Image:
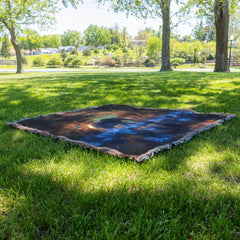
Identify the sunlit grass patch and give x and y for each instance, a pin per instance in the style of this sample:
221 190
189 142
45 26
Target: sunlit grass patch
52 190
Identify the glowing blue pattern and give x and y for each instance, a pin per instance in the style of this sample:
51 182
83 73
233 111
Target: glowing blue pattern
148 130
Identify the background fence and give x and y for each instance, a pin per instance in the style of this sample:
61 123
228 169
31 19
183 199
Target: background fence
8 62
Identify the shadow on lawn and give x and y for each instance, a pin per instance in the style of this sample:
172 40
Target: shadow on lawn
71 91
51 208
38 95
35 95
48 208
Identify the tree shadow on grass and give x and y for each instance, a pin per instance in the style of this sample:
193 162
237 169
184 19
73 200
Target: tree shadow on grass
72 90
42 206
39 95
110 198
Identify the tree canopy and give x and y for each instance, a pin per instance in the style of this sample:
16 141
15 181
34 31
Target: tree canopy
17 15
220 10
234 25
5 49
145 9
22 13
71 38
97 36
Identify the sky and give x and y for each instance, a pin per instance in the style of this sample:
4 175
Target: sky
88 13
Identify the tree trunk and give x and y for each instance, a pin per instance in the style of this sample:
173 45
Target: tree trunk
165 8
221 12
17 48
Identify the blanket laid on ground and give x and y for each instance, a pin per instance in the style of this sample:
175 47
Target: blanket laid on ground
122 130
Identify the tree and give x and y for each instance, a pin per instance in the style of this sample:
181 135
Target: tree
186 38
72 38
221 10
63 54
31 41
51 41
205 32
124 35
5 49
15 15
144 35
144 9
115 35
97 36
154 48
165 9
234 25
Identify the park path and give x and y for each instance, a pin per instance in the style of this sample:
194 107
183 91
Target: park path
110 70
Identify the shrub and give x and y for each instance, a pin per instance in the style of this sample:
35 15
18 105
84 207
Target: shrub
74 51
76 62
105 52
97 62
118 52
24 60
109 61
201 65
153 49
38 62
150 62
130 63
236 55
211 57
126 59
68 60
178 60
175 64
138 62
115 46
180 54
195 56
122 45
63 54
119 60
131 46
86 52
96 50
54 62
109 48
203 59
73 61
125 50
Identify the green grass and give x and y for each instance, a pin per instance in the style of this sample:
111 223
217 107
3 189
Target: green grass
52 190
196 65
8 67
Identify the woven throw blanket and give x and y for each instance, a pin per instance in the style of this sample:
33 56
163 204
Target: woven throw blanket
123 130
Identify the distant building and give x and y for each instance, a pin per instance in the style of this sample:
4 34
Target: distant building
67 48
33 52
137 43
8 62
102 47
48 50
82 48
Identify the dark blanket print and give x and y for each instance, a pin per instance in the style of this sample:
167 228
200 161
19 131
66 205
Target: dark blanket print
123 130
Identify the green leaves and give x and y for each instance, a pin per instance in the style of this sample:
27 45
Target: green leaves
21 13
71 38
97 36
74 3
5 49
16 15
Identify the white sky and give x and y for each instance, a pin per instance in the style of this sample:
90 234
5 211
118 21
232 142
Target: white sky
88 13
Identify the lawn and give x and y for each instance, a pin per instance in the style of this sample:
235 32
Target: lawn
53 190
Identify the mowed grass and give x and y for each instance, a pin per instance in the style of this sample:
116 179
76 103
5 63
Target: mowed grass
53 190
